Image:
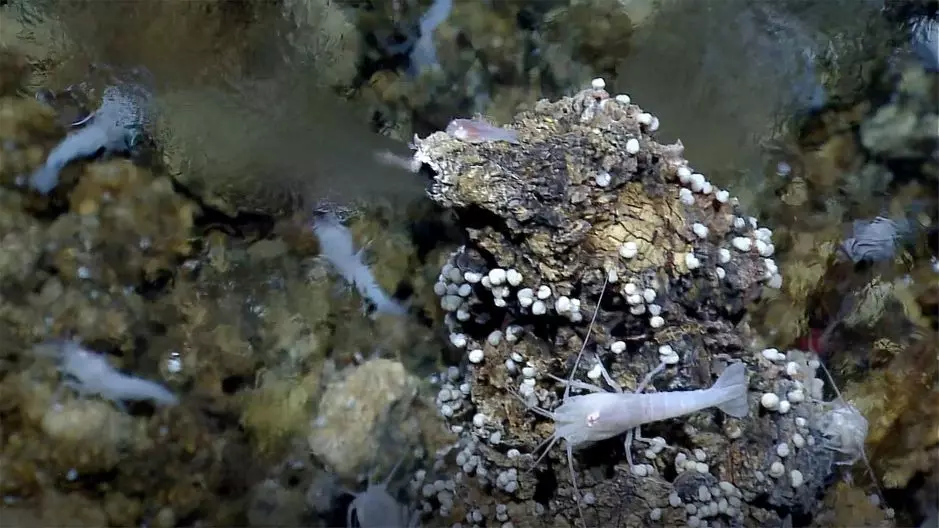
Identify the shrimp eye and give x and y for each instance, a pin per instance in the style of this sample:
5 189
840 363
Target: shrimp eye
592 418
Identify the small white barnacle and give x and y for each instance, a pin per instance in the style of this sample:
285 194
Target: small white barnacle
723 255
497 276
700 230
769 401
632 146
629 250
697 182
596 372
742 244
476 355
539 308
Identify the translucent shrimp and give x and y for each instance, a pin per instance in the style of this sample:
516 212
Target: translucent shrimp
593 417
375 507
479 131
90 373
114 127
585 419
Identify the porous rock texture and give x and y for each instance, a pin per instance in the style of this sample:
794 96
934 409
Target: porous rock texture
546 221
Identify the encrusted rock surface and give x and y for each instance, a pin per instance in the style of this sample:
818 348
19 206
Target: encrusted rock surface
348 431
586 204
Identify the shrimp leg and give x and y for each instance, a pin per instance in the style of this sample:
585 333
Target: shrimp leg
627 443
636 433
607 378
649 377
575 384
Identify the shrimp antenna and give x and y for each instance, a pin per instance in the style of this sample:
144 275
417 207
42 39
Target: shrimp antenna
567 391
596 310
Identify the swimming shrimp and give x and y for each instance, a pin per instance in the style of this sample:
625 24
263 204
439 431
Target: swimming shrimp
87 372
113 128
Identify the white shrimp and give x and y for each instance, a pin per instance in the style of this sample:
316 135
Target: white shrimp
90 373
845 430
589 418
375 507
336 246
585 419
113 128
551 440
479 131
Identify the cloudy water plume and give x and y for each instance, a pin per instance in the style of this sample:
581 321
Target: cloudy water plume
721 75
244 98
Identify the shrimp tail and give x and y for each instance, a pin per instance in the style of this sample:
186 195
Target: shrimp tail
81 144
133 388
733 382
45 178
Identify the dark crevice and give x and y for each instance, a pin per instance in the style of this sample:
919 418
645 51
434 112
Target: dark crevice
762 501
905 500
670 473
152 289
90 482
734 316
140 408
475 217
235 383
194 518
606 454
337 515
243 224
403 290
611 301
544 327
546 485
432 231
